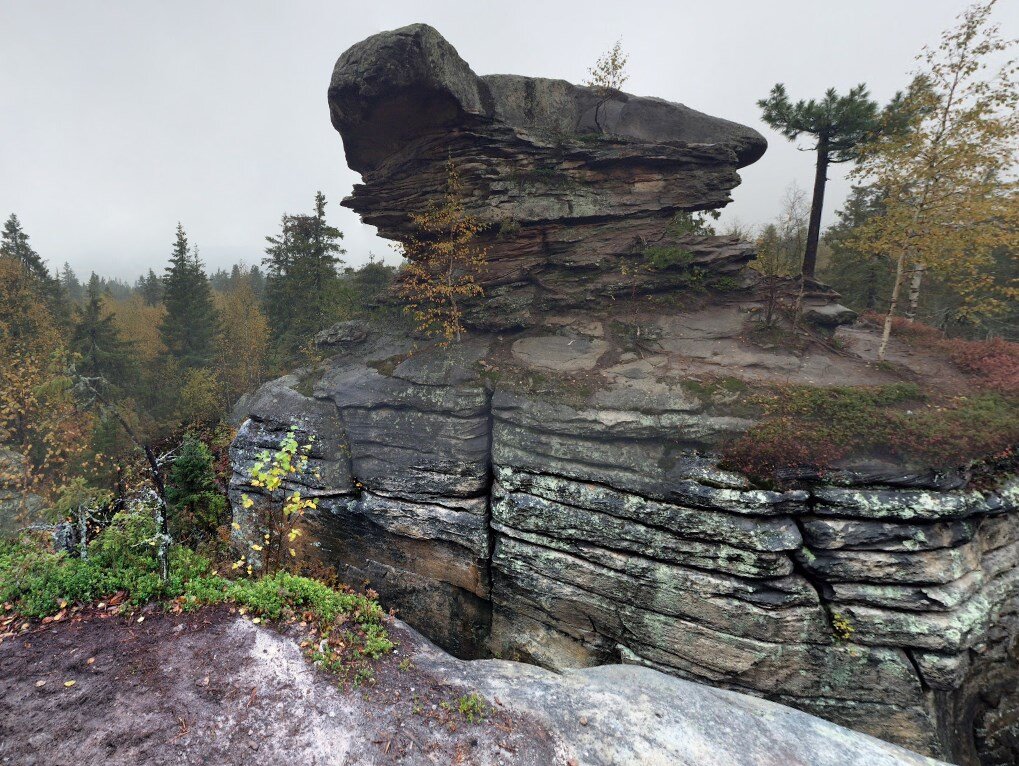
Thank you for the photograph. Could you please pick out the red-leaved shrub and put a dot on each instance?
(993, 364)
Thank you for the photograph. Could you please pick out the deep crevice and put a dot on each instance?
(808, 577)
(489, 485)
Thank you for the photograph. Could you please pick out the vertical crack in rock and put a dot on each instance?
(490, 534)
(807, 575)
(916, 668)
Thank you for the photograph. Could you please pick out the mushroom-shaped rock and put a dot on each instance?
(578, 184)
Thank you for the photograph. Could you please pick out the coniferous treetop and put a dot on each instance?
(188, 329)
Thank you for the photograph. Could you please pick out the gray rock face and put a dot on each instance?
(627, 715)
(578, 530)
(576, 184)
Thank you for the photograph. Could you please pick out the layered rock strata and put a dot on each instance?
(576, 184)
(594, 527)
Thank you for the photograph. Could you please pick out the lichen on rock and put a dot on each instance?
(553, 488)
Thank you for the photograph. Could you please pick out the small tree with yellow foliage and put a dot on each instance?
(950, 193)
(443, 262)
(274, 530)
(609, 72)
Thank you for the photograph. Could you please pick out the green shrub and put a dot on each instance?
(128, 542)
(349, 628)
(39, 583)
(472, 707)
(122, 558)
(196, 505)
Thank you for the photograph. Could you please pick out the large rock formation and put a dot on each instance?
(554, 493)
(577, 183)
(575, 518)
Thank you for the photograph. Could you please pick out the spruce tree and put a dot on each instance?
(69, 283)
(191, 491)
(14, 244)
(188, 329)
(150, 287)
(257, 282)
(303, 282)
(103, 356)
(220, 280)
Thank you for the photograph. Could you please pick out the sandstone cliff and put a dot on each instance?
(508, 508)
(576, 183)
(551, 489)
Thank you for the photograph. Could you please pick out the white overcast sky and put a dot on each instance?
(117, 119)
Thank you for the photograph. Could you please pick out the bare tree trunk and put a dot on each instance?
(915, 282)
(83, 531)
(816, 205)
(163, 549)
(900, 267)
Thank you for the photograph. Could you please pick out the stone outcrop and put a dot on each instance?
(549, 490)
(577, 518)
(577, 184)
(626, 714)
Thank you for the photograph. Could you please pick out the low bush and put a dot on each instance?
(347, 629)
(992, 364)
(38, 582)
(810, 427)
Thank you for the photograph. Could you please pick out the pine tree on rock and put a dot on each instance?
(189, 327)
(839, 125)
(105, 358)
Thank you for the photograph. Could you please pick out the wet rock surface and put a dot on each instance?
(585, 521)
(211, 687)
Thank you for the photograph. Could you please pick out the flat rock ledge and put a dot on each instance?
(589, 527)
(620, 715)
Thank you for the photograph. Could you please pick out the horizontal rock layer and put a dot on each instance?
(572, 535)
(576, 185)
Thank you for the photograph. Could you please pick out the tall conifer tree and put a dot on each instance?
(302, 282)
(189, 327)
(14, 244)
(103, 356)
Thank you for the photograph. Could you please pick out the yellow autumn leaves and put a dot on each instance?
(280, 510)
